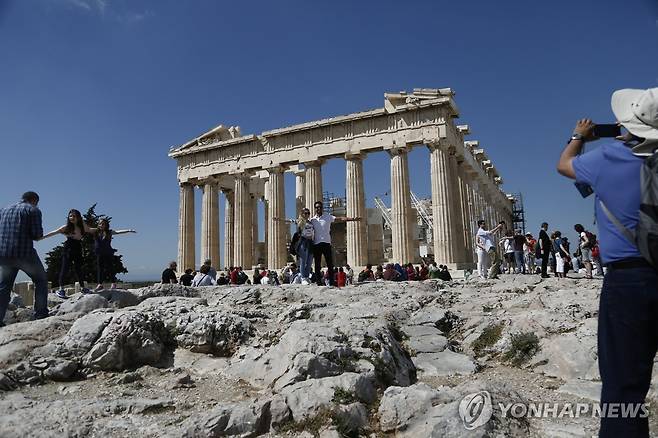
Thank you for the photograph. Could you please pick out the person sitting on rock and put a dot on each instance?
(444, 274)
(169, 274)
(222, 280)
(203, 277)
(411, 272)
(390, 274)
(187, 278)
(379, 273)
(341, 277)
(433, 271)
(258, 277)
(401, 271)
(212, 272)
(366, 274)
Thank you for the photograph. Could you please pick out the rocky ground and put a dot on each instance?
(375, 359)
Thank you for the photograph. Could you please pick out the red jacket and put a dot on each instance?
(342, 278)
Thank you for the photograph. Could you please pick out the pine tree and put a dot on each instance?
(54, 257)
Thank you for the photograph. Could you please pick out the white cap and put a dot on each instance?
(637, 111)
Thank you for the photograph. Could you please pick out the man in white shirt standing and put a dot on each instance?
(322, 240)
(487, 246)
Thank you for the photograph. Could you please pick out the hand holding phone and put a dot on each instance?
(606, 130)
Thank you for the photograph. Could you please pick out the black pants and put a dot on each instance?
(627, 342)
(104, 268)
(72, 256)
(319, 250)
(544, 263)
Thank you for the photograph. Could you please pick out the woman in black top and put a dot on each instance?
(74, 230)
(105, 252)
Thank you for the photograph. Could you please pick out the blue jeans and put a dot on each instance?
(518, 257)
(32, 266)
(627, 342)
(305, 254)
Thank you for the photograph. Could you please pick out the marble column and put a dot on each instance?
(357, 243)
(242, 223)
(401, 207)
(465, 227)
(210, 224)
(441, 217)
(228, 228)
(300, 190)
(313, 184)
(186, 244)
(457, 238)
(276, 244)
(254, 228)
(266, 211)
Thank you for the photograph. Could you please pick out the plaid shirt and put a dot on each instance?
(20, 224)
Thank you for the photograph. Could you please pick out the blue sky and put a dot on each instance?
(94, 92)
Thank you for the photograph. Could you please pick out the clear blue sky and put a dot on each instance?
(94, 92)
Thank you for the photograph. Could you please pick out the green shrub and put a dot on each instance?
(490, 335)
(524, 347)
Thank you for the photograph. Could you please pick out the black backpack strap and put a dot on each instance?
(628, 234)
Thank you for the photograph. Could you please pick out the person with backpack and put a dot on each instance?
(587, 243)
(625, 183)
(322, 237)
(301, 244)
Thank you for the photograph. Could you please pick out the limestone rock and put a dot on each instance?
(82, 303)
(400, 406)
(444, 363)
(306, 399)
(216, 333)
(119, 298)
(18, 340)
(242, 419)
(130, 339)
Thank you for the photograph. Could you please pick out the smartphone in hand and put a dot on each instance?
(609, 130)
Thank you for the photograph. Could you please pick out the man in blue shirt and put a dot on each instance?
(20, 226)
(628, 310)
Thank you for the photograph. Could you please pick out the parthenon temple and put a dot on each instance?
(465, 186)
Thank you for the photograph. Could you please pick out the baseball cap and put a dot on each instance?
(637, 111)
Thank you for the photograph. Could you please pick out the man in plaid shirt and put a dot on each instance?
(20, 225)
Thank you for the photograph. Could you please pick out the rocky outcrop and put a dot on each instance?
(391, 358)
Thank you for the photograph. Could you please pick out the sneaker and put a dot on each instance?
(99, 287)
(86, 290)
(305, 282)
(61, 293)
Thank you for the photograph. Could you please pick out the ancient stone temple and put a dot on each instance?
(249, 168)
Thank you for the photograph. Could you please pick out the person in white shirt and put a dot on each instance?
(322, 240)
(486, 245)
(203, 278)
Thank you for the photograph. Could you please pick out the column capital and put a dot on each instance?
(354, 156)
(440, 144)
(275, 169)
(394, 151)
(313, 163)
